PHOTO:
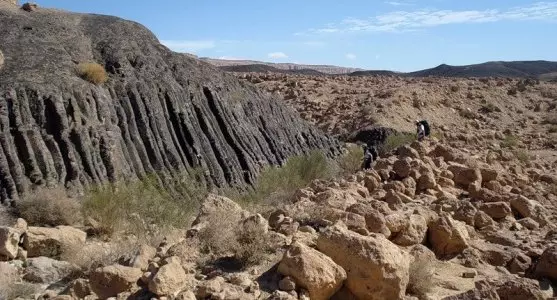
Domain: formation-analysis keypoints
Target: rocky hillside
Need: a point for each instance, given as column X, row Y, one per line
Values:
column 428, row 222
column 158, row 112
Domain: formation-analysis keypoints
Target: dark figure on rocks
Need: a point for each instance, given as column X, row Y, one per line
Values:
column 370, row 155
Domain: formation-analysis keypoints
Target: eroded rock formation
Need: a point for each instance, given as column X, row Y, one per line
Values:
column 159, row 112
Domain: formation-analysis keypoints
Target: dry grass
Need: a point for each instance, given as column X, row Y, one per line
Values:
column 49, row 207
column 92, row 72
column 226, row 236
column 396, row 140
column 7, row 217
column 421, row 279
column 143, row 208
column 95, row 255
column 277, row 185
column 522, row 155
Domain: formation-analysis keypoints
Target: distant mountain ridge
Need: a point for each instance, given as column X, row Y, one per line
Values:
column 325, row 69
column 536, row 69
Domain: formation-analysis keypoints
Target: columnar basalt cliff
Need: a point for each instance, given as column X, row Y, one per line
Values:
column 159, row 112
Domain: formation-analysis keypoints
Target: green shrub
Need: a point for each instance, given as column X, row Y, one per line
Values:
column 146, row 206
column 522, row 155
column 92, row 72
column 394, row 141
column 49, row 207
column 351, row 161
column 509, row 141
column 227, row 236
column 278, row 184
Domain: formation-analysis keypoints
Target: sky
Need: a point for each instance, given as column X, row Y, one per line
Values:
column 398, row 35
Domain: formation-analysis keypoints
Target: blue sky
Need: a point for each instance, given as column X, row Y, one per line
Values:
column 400, row 35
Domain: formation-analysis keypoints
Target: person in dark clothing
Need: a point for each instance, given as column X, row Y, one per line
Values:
column 370, row 155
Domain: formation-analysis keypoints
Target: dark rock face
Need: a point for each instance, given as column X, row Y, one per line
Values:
column 373, row 135
column 159, row 112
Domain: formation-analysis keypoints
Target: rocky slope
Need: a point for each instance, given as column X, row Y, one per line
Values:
column 428, row 222
column 251, row 65
column 159, row 112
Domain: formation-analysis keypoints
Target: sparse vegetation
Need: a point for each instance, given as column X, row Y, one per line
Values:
column 278, row 184
column 227, row 236
column 396, row 140
column 146, row 206
column 49, row 207
column 351, row 161
column 92, row 72
column 421, row 279
column 551, row 119
column 489, row 108
column 468, row 114
column 510, row 141
column 553, row 128
column 522, row 155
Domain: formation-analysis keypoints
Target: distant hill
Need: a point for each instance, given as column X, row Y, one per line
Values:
column 537, row 69
column 262, row 68
column 249, row 65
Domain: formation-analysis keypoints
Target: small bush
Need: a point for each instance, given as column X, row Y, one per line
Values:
column 509, row 141
column 276, row 185
column 49, row 207
column 489, row 108
column 421, row 280
column 468, row 114
column 551, row 119
column 394, row 141
column 552, row 128
column 144, row 207
column 351, row 161
column 522, row 155
column 92, row 72
column 93, row 256
column 226, row 236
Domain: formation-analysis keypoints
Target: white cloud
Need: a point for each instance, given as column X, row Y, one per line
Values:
column 398, row 21
column 397, row 3
column 351, row 56
column 188, row 46
column 277, row 55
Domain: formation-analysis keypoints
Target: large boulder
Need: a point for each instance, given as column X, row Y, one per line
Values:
column 109, row 281
column 375, row 221
column 313, row 271
column 47, row 270
column 547, row 265
column 51, row 242
column 496, row 210
column 426, row 181
column 464, row 176
column 527, row 208
column 414, row 231
column 376, row 268
column 142, row 257
column 215, row 204
column 9, row 242
column 402, row 167
column 448, row 236
column 169, row 280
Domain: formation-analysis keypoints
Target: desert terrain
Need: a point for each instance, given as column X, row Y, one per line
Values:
column 128, row 171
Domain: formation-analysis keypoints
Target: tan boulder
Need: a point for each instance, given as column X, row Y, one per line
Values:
column 376, row 268
column 414, row 231
column 496, row 210
column 110, row 281
column 215, row 204
column 312, row 270
column 547, row 265
column 375, row 221
column 402, row 167
column 170, row 280
column 466, row 213
column 464, row 176
column 144, row 254
column 335, row 198
column 372, row 183
column 448, row 236
column 527, row 208
column 489, row 174
column 426, row 181
column 51, row 242
column 9, row 242
column 481, row 220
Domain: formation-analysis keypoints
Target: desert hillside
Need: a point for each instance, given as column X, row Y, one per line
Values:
column 128, row 171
